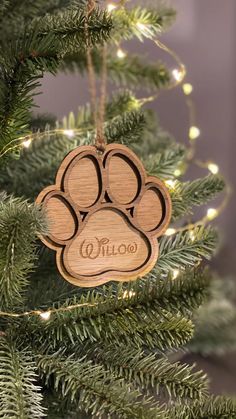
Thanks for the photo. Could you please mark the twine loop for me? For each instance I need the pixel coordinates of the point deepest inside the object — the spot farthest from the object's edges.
(98, 107)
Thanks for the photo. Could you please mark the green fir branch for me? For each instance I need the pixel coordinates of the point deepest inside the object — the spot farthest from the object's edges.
(142, 326)
(215, 324)
(19, 224)
(122, 103)
(19, 71)
(67, 24)
(164, 164)
(140, 22)
(181, 250)
(68, 27)
(20, 396)
(99, 391)
(129, 72)
(186, 195)
(211, 408)
(24, 10)
(149, 372)
(42, 122)
(215, 320)
(35, 52)
(3, 7)
(185, 294)
(126, 129)
(37, 165)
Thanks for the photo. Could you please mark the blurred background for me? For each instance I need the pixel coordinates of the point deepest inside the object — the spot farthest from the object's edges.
(204, 37)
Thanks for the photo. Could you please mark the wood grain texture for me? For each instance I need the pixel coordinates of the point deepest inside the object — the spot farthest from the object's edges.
(62, 222)
(105, 215)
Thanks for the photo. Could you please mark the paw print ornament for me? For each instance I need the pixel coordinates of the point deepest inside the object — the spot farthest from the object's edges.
(105, 215)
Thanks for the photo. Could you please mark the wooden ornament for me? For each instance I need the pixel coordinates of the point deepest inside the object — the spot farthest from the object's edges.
(105, 215)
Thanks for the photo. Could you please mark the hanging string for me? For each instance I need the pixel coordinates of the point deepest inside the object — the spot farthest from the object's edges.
(98, 109)
(101, 140)
(91, 74)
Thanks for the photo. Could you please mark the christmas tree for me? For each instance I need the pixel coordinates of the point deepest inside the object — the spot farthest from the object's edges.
(112, 350)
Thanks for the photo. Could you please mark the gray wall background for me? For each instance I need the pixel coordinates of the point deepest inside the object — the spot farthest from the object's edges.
(204, 37)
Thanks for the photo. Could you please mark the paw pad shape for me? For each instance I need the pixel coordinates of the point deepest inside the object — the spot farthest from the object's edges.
(105, 215)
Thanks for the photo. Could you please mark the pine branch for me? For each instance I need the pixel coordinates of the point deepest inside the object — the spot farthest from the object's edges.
(37, 165)
(211, 408)
(130, 71)
(68, 27)
(19, 224)
(19, 70)
(19, 393)
(216, 320)
(149, 372)
(185, 294)
(59, 407)
(42, 122)
(141, 325)
(160, 140)
(186, 195)
(140, 22)
(164, 164)
(126, 129)
(181, 251)
(215, 324)
(36, 51)
(122, 103)
(99, 391)
(24, 10)
(53, 17)
(3, 7)
(124, 121)
(114, 310)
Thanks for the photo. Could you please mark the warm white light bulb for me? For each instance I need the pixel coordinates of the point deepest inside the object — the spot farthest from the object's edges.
(177, 172)
(211, 213)
(27, 143)
(175, 273)
(69, 132)
(213, 168)
(170, 231)
(192, 235)
(45, 315)
(141, 26)
(128, 294)
(187, 88)
(194, 132)
(111, 7)
(121, 53)
(170, 183)
(177, 74)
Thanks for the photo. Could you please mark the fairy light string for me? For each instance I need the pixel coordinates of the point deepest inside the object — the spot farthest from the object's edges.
(46, 314)
(178, 79)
